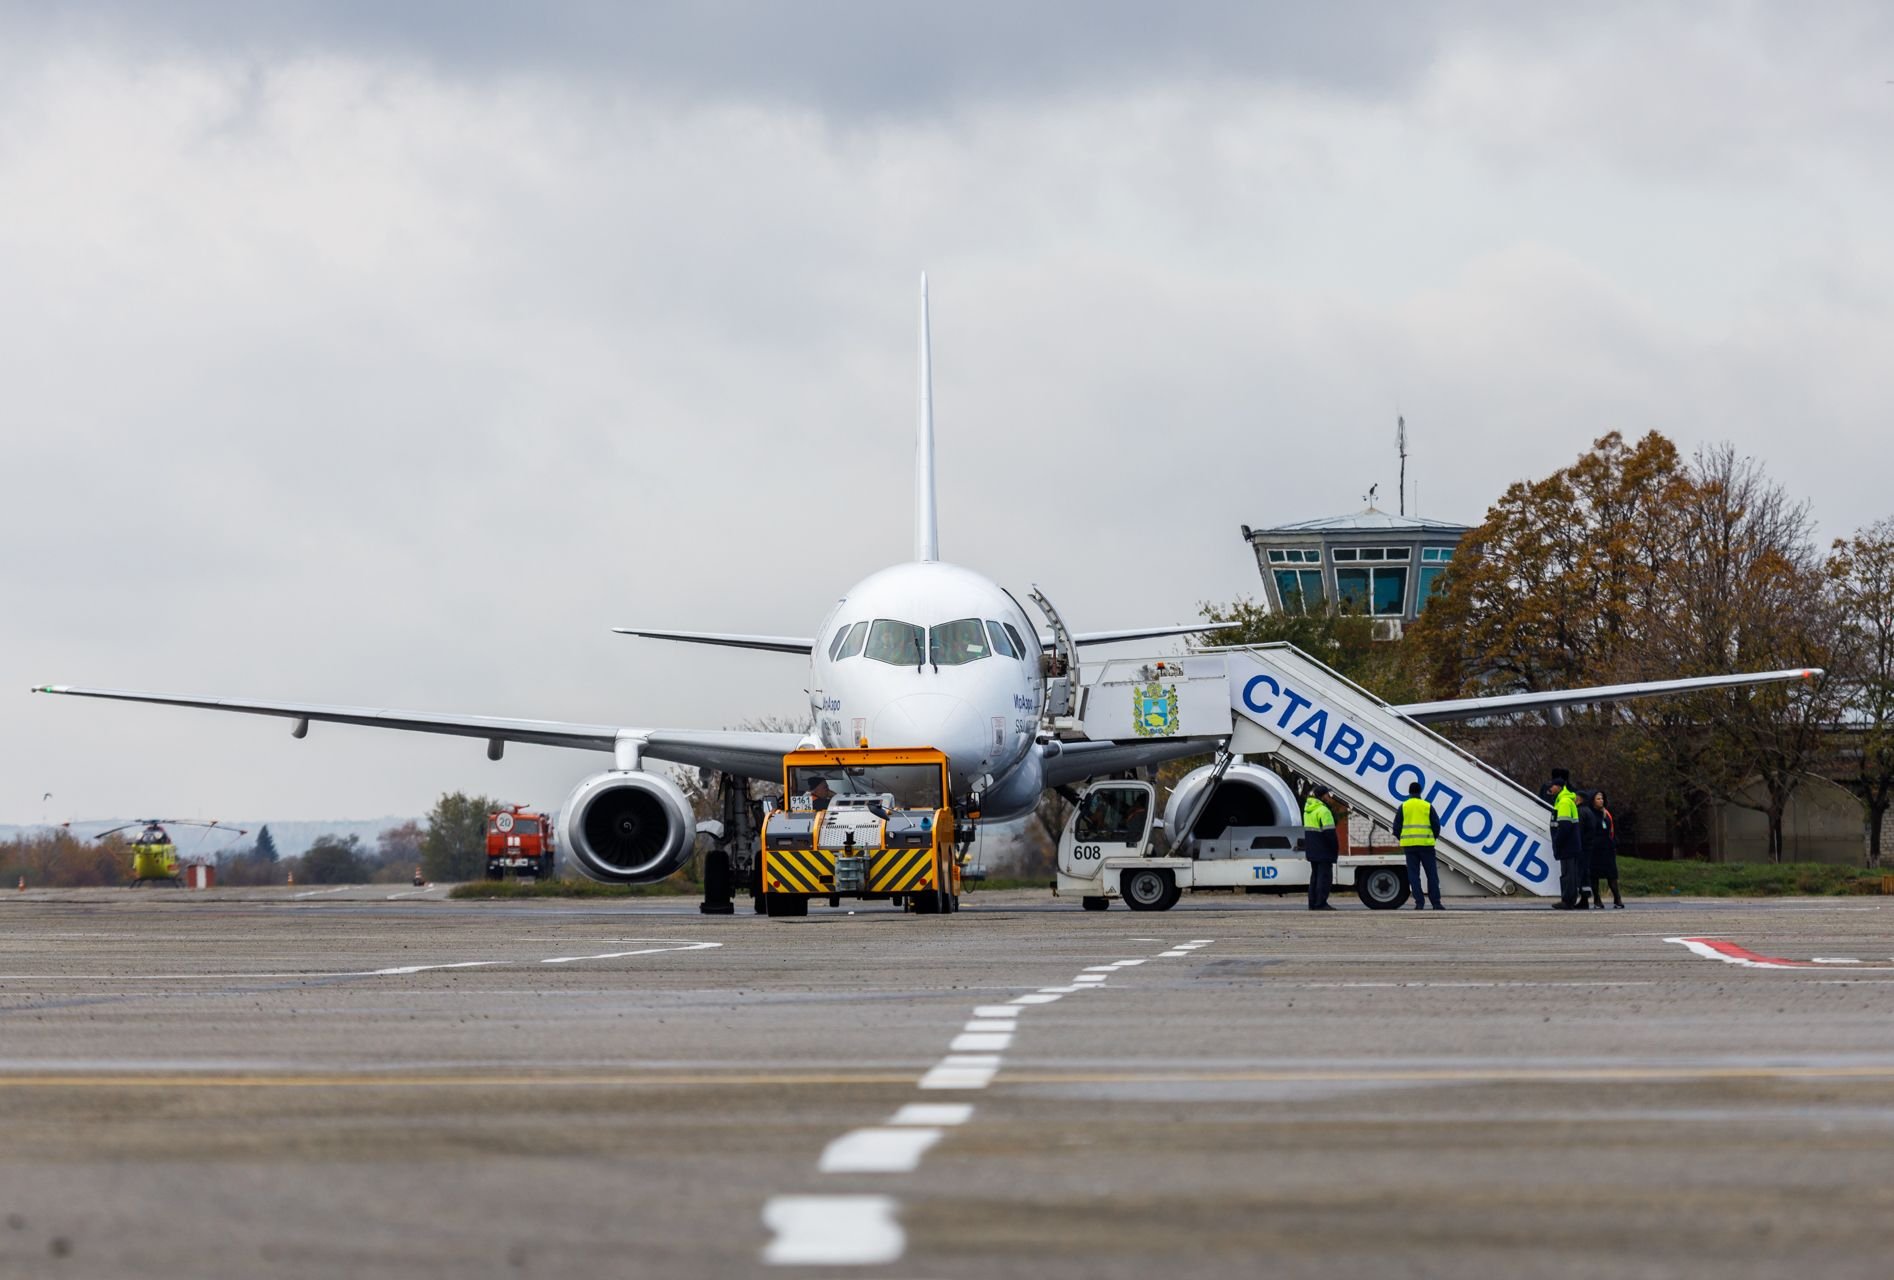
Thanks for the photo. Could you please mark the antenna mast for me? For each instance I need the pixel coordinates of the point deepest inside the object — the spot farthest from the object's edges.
(1400, 444)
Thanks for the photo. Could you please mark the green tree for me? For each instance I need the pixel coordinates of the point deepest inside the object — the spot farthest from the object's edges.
(455, 847)
(334, 860)
(266, 846)
(1862, 571)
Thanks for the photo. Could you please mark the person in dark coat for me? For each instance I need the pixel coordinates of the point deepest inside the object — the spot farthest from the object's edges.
(1320, 845)
(1598, 831)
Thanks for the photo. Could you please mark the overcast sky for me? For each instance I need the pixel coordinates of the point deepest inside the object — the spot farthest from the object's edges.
(389, 354)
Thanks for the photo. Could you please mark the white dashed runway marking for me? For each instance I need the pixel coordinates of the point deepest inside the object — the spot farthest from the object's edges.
(896, 1150)
(833, 1230)
(862, 1230)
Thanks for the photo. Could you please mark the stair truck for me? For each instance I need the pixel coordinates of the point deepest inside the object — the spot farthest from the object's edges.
(872, 824)
(1248, 838)
(1235, 824)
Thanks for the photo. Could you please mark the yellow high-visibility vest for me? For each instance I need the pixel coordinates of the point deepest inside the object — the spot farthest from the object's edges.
(1316, 815)
(1565, 809)
(1417, 822)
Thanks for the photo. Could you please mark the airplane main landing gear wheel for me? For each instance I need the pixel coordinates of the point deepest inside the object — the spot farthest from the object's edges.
(1149, 889)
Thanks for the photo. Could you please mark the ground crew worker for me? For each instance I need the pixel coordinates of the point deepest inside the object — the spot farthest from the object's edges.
(1566, 845)
(820, 794)
(1420, 828)
(1319, 845)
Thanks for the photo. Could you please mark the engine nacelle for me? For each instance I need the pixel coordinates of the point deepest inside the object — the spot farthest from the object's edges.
(627, 827)
(1249, 796)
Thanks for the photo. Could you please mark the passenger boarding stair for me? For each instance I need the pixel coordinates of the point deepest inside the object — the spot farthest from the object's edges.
(1275, 700)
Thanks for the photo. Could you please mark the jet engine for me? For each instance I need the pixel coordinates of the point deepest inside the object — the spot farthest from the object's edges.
(627, 827)
(1249, 796)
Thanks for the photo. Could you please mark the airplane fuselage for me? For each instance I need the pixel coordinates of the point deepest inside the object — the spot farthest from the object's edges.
(928, 654)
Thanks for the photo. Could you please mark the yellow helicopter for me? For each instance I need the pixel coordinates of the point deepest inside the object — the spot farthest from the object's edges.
(155, 854)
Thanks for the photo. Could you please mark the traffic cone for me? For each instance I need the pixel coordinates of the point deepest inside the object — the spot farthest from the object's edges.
(22, 884)
(292, 879)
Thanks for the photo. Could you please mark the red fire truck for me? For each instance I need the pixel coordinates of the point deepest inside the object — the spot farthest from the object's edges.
(519, 841)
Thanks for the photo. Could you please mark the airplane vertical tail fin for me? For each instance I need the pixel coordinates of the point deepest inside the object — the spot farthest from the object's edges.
(926, 525)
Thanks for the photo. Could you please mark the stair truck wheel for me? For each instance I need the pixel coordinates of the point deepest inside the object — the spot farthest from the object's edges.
(1095, 904)
(1148, 889)
(1382, 888)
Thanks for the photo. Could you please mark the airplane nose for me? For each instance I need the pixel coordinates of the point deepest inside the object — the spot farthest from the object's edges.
(936, 720)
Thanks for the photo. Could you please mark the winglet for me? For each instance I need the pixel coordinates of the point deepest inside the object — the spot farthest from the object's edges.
(926, 526)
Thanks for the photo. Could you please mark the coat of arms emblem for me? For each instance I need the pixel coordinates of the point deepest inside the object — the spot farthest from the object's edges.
(1154, 710)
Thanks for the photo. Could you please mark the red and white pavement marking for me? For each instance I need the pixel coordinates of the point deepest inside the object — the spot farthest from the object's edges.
(1730, 953)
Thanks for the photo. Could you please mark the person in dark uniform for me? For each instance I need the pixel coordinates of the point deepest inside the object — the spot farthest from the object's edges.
(820, 795)
(1320, 846)
(1567, 844)
(1598, 833)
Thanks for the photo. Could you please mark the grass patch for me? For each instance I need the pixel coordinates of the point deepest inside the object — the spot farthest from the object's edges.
(1644, 878)
(560, 888)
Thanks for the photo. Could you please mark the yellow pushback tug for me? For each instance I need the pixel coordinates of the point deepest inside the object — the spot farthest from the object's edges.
(869, 823)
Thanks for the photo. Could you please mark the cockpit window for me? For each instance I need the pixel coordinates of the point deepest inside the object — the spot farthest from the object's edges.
(1014, 637)
(901, 644)
(1001, 645)
(835, 645)
(853, 644)
(958, 643)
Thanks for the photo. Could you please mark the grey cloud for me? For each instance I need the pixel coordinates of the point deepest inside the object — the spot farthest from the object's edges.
(836, 55)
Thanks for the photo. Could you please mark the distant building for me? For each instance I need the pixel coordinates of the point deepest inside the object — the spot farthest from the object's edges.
(1371, 562)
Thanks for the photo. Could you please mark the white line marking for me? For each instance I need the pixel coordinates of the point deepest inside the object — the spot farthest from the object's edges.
(997, 1011)
(423, 968)
(972, 1072)
(647, 951)
(1835, 960)
(410, 893)
(1192, 946)
(1100, 968)
(981, 1041)
(1037, 997)
(1007, 1025)
(1162, 955)
(878, 1151)
(837, 1230)
(1127, 964)
(317, 893)
(933, 1113)
(1090, 978)
(392, 970)
(1055, 991)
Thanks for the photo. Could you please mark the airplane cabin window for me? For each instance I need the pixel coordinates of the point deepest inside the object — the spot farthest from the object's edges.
(958, 643)
(1017, 642)
(1001, 645)
(900, 644)
(857, 636)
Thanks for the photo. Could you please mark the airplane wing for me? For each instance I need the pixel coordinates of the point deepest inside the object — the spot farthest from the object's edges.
(1501, 704)
(747, 753)
(728, 639)
(1080, 761)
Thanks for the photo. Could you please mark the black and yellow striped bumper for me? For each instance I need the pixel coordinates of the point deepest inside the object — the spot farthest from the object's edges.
(812, 871)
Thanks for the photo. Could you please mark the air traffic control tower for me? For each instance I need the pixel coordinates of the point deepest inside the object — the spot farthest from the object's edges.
(1370, 562)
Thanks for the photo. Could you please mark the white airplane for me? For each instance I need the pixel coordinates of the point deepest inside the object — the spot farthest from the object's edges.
(922, 654)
